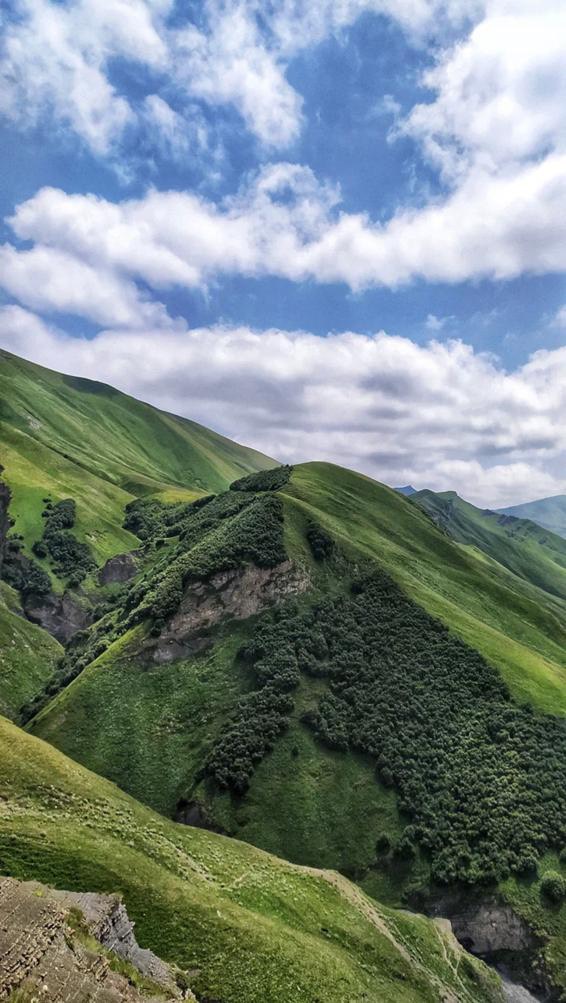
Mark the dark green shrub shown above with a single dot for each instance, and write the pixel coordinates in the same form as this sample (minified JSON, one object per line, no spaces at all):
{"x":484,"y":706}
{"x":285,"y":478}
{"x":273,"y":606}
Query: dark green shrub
{"x":382,"y":844}
{"x":264,"y":480}
{"x":320,"y":542}
{"x":553,"y":886}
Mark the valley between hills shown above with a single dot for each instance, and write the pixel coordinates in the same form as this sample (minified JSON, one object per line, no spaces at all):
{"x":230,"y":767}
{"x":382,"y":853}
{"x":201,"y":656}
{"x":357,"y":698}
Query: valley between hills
{"x":306,"y":732}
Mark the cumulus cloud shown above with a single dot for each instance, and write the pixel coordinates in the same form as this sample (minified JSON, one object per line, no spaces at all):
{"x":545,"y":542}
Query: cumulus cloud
{"x":54,"y":60}
{"x":438,"y":415}
{"x":53,"y":281}
{"x":285,"y":222}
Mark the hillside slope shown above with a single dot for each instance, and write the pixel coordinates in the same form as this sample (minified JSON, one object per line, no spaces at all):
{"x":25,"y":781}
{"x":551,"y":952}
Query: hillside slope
{"x":521,"y":545}
{"x":68,"y":437}
{"x":28,"y":655}
{"x":242,"y":924}
{"x":547,"y":512}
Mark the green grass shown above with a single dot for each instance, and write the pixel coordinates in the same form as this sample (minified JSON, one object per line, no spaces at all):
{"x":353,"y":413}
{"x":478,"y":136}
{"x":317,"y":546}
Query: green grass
{"x":520,"y":545}
{"x":247,"y":925}
{"x":66,"y":437}
{"x":519,"y":629}
{"x":149,"y":727}
{"x":27,"y":655}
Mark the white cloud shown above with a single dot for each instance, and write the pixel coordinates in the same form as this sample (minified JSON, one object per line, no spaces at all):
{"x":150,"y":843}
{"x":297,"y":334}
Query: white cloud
{"x":559,"y":319}
{"x":54,"y":61}
{"x":286,"y":223}
{"x":230,"y":64}
{"x":55,"y":57}
{"x":500,"y":92}
{"x":51,"y":280}
{"x":437,"y":415}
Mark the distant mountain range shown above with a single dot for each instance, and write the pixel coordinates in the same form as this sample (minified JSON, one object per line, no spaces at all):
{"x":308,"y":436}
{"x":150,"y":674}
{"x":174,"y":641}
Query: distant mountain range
{"x":548,"y":512}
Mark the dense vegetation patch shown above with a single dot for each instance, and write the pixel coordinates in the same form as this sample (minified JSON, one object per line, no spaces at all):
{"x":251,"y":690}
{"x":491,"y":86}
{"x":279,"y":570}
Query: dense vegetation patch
{"x":264,"y":480}
{"x":212,"y":534}
{"x":482,"y":779}
{"x":23,"y":573}
{"x":71,"y":558}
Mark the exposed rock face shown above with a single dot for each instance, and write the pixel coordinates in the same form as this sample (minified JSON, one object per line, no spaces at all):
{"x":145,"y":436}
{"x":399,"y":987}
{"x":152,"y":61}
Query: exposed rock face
{"x":120,"y":568}
{"x":235,"y":594}
{"x":194,"y":813}
{"x":490,"y":926}
{"x":62,"y":616}
{"x":44,"y":949}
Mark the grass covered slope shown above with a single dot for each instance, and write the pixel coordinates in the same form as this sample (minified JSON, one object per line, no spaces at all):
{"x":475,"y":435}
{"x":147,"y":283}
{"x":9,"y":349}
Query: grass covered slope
{"x":547,"y":512}
{"x":520,"y":545}
{"x":278,"y":721}
{"x":27,"y":655}
{"x":246,"y":925}
{"x":517,"y":628}
{"x":69,"y":437}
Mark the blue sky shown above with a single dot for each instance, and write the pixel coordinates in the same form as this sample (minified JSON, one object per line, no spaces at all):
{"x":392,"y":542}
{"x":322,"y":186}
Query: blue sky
{"x":334,"y":231}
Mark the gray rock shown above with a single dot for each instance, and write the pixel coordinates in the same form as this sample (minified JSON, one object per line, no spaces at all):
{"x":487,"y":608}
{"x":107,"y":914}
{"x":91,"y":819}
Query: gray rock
{"x":235,"y":594}
{"x":120,"y":568}
{"x":62,"y":616}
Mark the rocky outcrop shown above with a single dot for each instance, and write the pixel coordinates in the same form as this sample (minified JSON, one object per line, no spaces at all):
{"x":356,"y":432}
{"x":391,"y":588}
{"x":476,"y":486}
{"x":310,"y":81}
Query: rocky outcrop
{"x":487,"y":927}
{"x":62,"y":616}
{"x":63,"y":946}
{"x":196,"y":814}
{"x":120,"y":568}
{"x":235,"y":594}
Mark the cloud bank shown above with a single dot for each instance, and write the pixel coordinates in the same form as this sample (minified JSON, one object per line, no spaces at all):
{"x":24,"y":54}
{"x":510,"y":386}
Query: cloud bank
{"x":438,"y":416}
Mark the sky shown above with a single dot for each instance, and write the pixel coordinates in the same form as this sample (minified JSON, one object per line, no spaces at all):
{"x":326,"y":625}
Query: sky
{"x":330,"y":229}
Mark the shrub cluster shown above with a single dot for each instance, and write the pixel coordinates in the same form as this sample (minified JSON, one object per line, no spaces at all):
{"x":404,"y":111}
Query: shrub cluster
{"x":230,"y":531}
{"x":320,"y":542}
{"x":553,"y":886}
{"x":264,"y":480}
{"x":22,"y":573}
{"x":482,"y":779}
{"x":213,"y":534}
{"x":70,"y":557}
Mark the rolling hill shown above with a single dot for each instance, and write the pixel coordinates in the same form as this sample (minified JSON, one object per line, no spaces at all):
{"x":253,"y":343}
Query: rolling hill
{"x":68,"y":437}
{"x":239,"y":923}
{"x":547,"y":512}
{"x":522,"y":546}
{"x":301,"y":658}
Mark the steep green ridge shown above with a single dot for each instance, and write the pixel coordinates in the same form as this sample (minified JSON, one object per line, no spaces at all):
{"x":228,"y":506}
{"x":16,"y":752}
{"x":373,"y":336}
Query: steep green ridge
{"x":28,"y":655}
{"x":228,"y":711}
{"x":520,"y":630}
{"x":521,"y":545}
{"x":68,"y":437}
{"x":243,"y":924}
{"x":547,"y":512}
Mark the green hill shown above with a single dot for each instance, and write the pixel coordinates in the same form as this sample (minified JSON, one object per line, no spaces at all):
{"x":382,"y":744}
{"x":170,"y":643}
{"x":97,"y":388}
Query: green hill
{"x":242,"y":924}
{"x":311,"y":663}
{"x":267,"y":709}
{"x":547,"y":512}
{"x":521,"y":545}
{"x":28,"y":655}
{"x":68,"y":437}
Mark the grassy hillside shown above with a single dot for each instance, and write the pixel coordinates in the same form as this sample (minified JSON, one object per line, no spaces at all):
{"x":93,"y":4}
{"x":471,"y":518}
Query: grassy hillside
{"x":300,"y":772}
{"x":522,"y":546}
{"x":245,"y":925}
{"x":520,"y":630}
{"x":27,"y":655}
{"x":547,"y":512}
{"x":69,"y":437}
